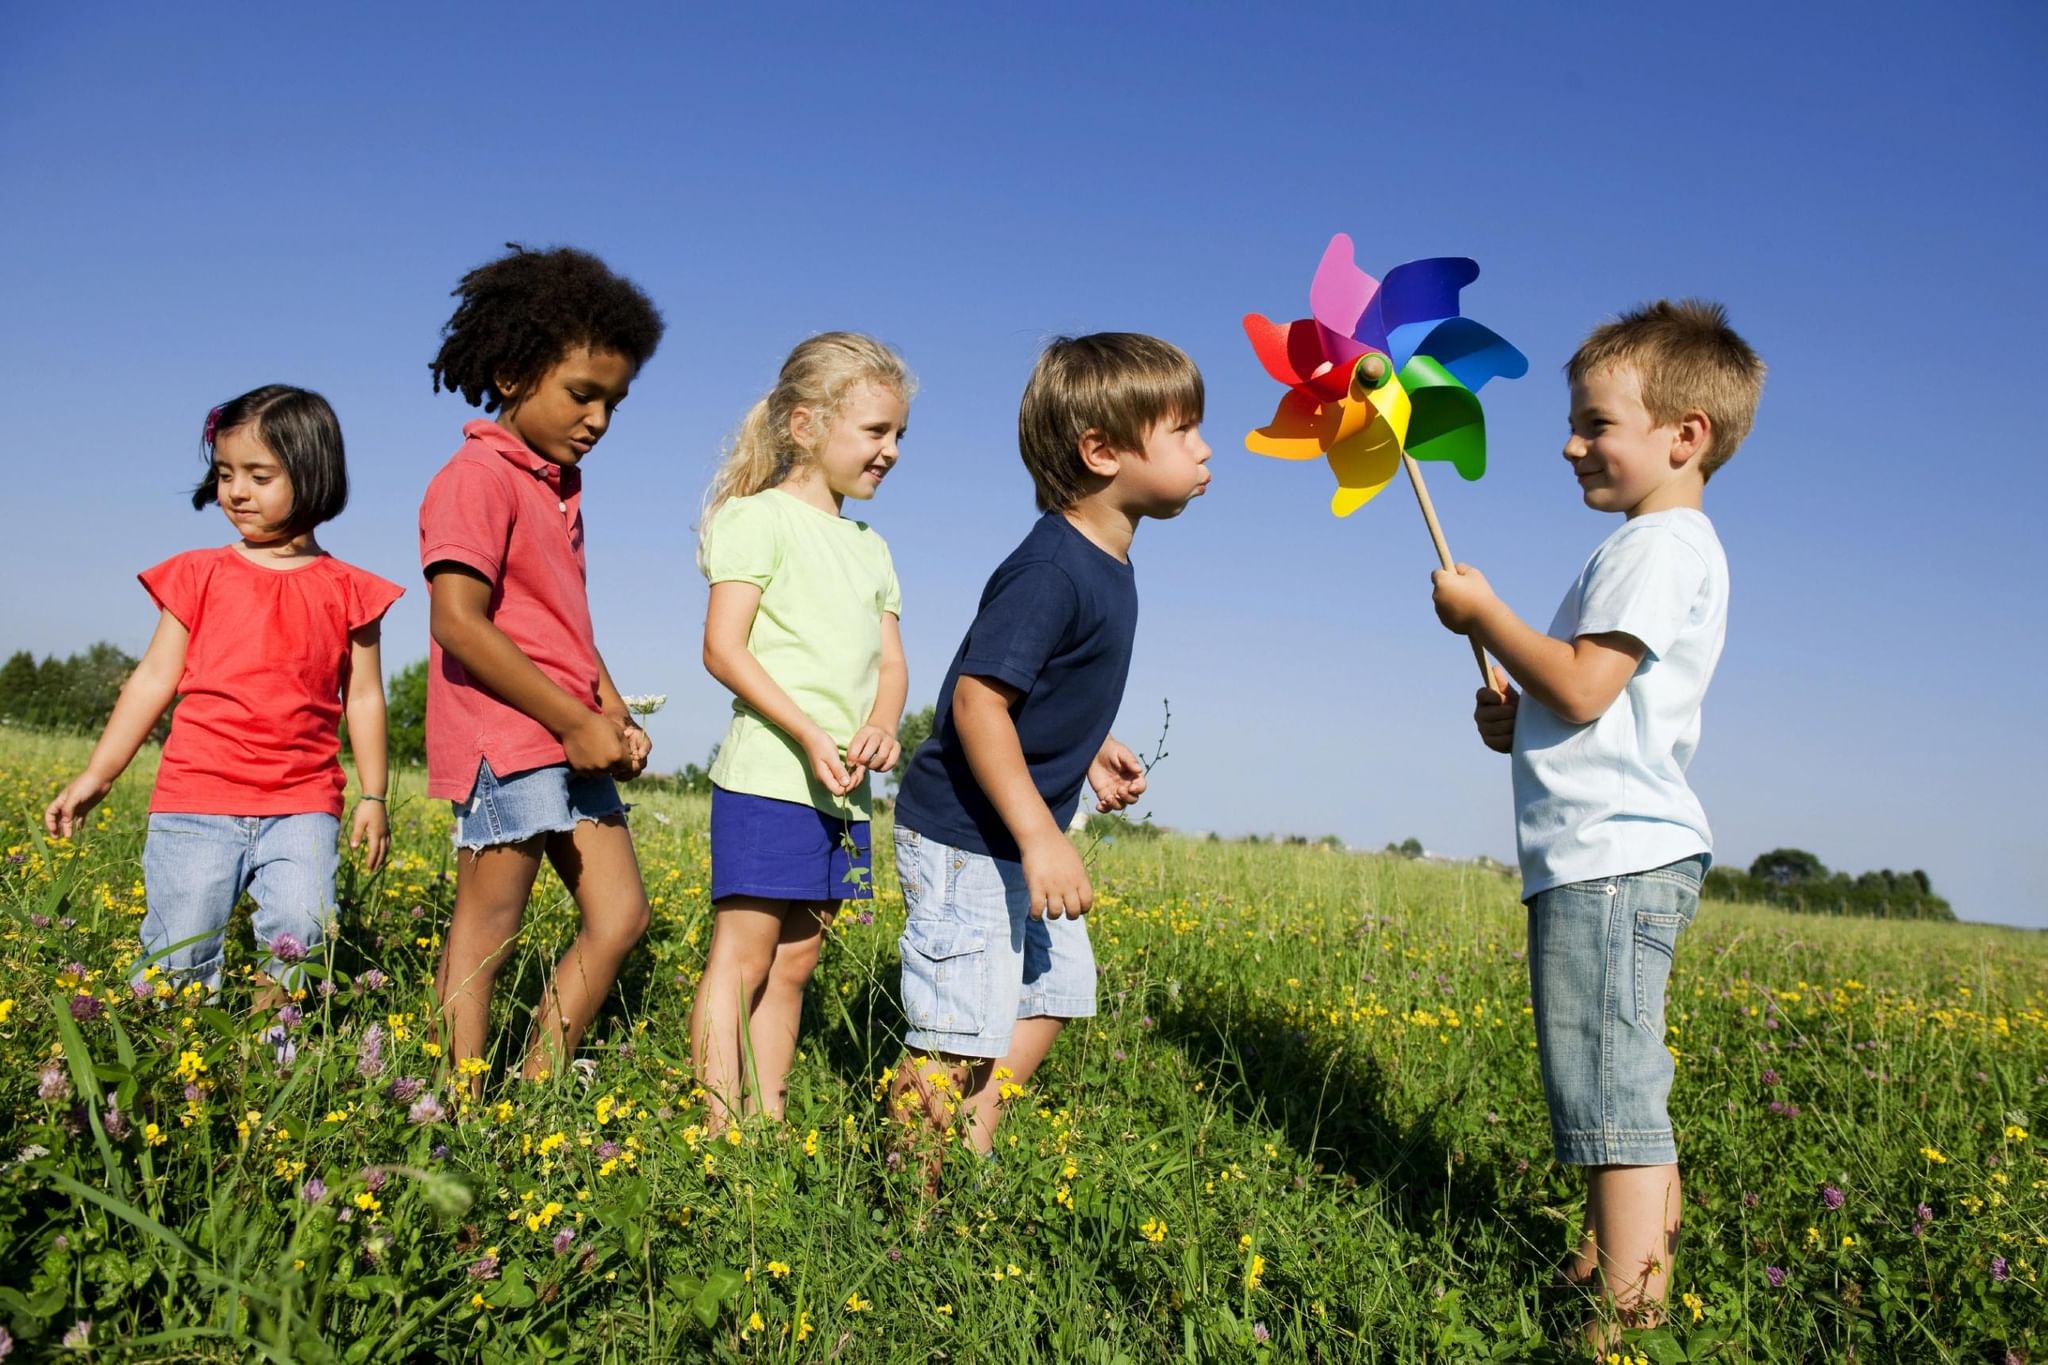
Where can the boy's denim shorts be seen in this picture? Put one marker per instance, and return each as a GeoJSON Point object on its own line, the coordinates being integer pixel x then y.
{"type": "Point", "coordinates": [1599, 960]}
{"type": "Point", "coordinates": [785, 850]}
{"type": "Point", "coordinates": [195, 867]}
{"type": "Point", "coordinates": [550, 800]}
{"type": "Point", "coordinates": [974, 961]}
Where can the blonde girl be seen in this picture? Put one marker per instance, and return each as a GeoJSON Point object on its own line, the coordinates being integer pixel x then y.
{"type": "Point", "coordinates": [803, 628]}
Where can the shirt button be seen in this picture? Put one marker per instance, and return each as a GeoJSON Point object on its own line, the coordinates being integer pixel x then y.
{"type": "Point", "coordinates": [561, 507]}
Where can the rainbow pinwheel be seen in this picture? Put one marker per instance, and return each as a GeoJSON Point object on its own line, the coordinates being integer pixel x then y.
{"type": "Point", "coordinates": [1420, 398]}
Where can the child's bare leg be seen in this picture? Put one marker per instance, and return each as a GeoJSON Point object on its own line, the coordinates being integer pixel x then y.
{"type": "Point", "coordinates": [779, 1010]}
{"type": "Point", "coordinates": [596, 863]}
{"type": "Point", "coordinates": [491, 887]}
{"type": "Point", "coordinates": [1636, 1217]}
{"type": "Point", "coordinates": [983, 1105]}
{"type": "Point", "coordinates": [744, 933]}
{"type": "Point", "coordinates": [967, 1091]}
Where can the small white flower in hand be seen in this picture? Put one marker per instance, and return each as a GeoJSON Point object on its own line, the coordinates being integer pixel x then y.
{"type": "Point", "coordinates": [646, 704]}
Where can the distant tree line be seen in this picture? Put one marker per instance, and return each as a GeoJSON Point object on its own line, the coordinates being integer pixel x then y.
{"type": "Point", "coordinates": [73, 695]}
{"type": "Point", "coordinates": [1797, 880]}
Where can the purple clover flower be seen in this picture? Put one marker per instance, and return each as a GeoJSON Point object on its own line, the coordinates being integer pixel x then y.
{"type": "Point", "coordinates": [85, 1008]}
{"type": "Point", "coordinates": [484, 1268]}
{"type": "Point", "coordinates": [371, 980]}
{"type": "Point", "coordinates": [1770, 1076]}
{"type": "Point", "coordinates": [427, 1109]}
{"type": "Point", "coordinates": [1775, 1275]}
{"type": "Point", "coordinates": [405, 1089]}
{"type": "Point", "coordinates": [1998, 1270]}
{"type": "Point", "coordinates": [314, 1190]}
{"type": "Point", "coordinates": [79, 1338]}
{"type": "Point", "coordinates": [1260, 1333]}
{"type": "Point", "coordinates": [1832, 1197]}
{"type": "Point", "coordinates": [562, 1240]}
{"type": "Point", "coordinates": [287, 948]}
{"type": "Point", "coordinates": [370, 1052]}
{"type": "Point", "coordinates": [52, 1084]}
{"type": "Point", "coordinates": [113, 1120]}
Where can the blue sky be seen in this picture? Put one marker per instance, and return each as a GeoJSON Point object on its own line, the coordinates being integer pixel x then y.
{"type": "Point", "coordinates": [204, 198]}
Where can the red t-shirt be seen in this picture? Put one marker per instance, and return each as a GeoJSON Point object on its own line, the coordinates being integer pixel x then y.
{"type": "Point", "coordinates": [517, 519]}
{"type": "Point", "coordinates": [255, 732]}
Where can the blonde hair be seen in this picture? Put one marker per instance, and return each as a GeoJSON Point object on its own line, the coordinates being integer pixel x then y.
{"type": "Point", "coordinates": [1117, 383]}
{"type": "Point", "coordinates": [817, 376]}
{"type": "Point", "coordinates": [1687, 359]}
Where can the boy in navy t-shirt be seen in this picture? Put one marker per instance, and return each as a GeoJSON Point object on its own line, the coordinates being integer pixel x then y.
{"type": "Point", "coordinates": [1110, 429]}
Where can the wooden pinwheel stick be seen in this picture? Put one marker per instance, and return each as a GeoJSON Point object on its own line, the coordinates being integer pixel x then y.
{"type": "Point", "coordinates": [1372, 369]}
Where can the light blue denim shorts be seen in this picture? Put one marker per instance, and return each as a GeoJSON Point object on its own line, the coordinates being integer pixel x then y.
{"type": "Point", "coordinates": [513, 809]}
{"type": "Point", "coordinates": [974, 961]}
{"type": "Point", "coordinates": [1599, 961]}
{"type": "Point", "coordinates": [194, 869]}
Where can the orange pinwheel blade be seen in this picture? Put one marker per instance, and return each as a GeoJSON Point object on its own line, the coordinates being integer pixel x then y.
{"type": "Point", "coordinates": [1300, 430]}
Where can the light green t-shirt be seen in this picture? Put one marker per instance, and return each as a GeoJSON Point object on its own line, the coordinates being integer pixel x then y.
{"type": "Point", "coordinates": [825, 583]}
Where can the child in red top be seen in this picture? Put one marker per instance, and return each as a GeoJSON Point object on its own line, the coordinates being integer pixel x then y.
{"type": "Point", "coordinates": [267, 641]}
{"type": "Point", "coordinates": [525, 730]}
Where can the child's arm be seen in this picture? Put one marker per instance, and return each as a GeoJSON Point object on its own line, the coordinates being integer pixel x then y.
{"type": "Point", "coordinates": [461, 624]}
{"type": "Point", "coordinates": [1053, 870]}
{"type": "Point", "coordinates": [874, 746]}
{"type": "Point", "coordinates": [1577, 679]}
{"type": "Point", "coordinates": [364, 706]}
{"type": "Point", "coordinates": [727, 623]}
{"type": "Point", "coordinates": [638, 745]}
{"type": "Point", "coordinates": [144, 696]}
{"type": "Point", "coordinates": [1115, 776]}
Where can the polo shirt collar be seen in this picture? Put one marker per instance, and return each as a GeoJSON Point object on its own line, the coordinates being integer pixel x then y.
{"type": "Point", "coordinates": [514, 450]}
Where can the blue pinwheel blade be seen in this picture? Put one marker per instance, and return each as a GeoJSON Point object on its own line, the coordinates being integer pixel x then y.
{"type": "Point", "coordinates": [1471, 351]}
{"type": "Point", "coordinates": [1420, 291]}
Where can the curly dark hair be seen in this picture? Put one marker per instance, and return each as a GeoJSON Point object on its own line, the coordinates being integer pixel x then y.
{"type": "Point", "coordinates": [523, 312]}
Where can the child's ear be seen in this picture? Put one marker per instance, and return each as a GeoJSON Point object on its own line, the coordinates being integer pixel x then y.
{"type": "Point", "coordinates": [803, 426]}
{"type": "Point", "coordinates": [1695, 433]}
{"type": "Point", "coordinates": [1097, 455]}
{"type": "Point", "coordinates": [508, 391]}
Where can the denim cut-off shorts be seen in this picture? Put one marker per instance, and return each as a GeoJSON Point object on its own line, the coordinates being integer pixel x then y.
{"type": "Point", "coordinates": [194, 869]}
{"type": "Point", "coordinates": [550, 800]}
{"type": "Point", "coordinates": [785, 850]}
{"type": "Point", "coordinates": [974, 961]}
{"type": "Point", "coordinates": [1599, 961]}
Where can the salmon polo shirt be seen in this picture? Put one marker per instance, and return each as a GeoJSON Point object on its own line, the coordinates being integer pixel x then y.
{"type": "Point", "coordinates": [517, 519]}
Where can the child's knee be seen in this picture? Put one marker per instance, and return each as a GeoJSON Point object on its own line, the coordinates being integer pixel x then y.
{"type": "Point", "coordinates": [795, 961]}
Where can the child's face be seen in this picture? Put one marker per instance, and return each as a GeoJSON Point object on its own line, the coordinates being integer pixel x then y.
{"type": "Point", "coordinates": [860, 446]}
{"type": "Point", "coordinates": [565, 412]}
{"type": "Point", "coordinates": [1170, 472]}
{"type": "Point", "coordinates": [1624, 461]}
{"type": "Point", "coordinates": [251, 485]}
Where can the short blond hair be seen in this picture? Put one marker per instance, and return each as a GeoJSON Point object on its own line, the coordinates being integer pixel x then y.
{"type": "Point", "coordinates": [1687, 359]}
{"type": "Point", "coordinates": [1120, 384]}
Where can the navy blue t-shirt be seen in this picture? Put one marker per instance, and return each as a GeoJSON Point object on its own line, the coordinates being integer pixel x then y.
{"type": "Point", "coordinates": [1056, 622]}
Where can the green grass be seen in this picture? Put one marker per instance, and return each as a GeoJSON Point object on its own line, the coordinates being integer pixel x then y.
{"type": "Point", "coordinates": [1308, 1061]}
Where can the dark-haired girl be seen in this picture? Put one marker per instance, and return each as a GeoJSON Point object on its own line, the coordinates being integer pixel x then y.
{"type": "Point", "coordinates": [268, 640]}
{"type": "Point", "coordinates": [525, 731]}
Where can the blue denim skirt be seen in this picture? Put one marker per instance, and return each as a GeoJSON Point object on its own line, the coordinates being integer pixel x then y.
{"type": "Point", "coordinates": [516, 807]}
{"type": "Point", "coordinates": [1599, 961]}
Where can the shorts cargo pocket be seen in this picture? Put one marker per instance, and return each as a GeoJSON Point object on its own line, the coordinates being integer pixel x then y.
{"type": "Point", "coordinates": [1656, 941]}
{"type": "Point", "coordinates": [945, 977]}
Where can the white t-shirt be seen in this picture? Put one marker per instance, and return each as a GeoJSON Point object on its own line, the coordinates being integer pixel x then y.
{"type": "Point", "coordinates": [1610, 798]}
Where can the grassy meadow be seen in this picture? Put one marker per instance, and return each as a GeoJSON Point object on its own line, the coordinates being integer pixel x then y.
{"type": "Point", "coordinates": [1306, 1125]}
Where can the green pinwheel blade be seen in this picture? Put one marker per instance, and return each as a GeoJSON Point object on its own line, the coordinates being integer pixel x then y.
{"type": "Point", "coordinates": [1447, 422]}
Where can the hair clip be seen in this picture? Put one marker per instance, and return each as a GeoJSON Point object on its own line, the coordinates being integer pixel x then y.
{"type": "Point", "coordinates": [212, 421]}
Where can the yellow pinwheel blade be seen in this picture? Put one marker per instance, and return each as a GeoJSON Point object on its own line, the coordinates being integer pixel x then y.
{"type": "Point", "coordinates": [1364, 464]}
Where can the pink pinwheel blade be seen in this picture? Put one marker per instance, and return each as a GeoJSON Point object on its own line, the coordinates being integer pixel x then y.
{"type": "Point", "coordinates": [1340, 291]}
